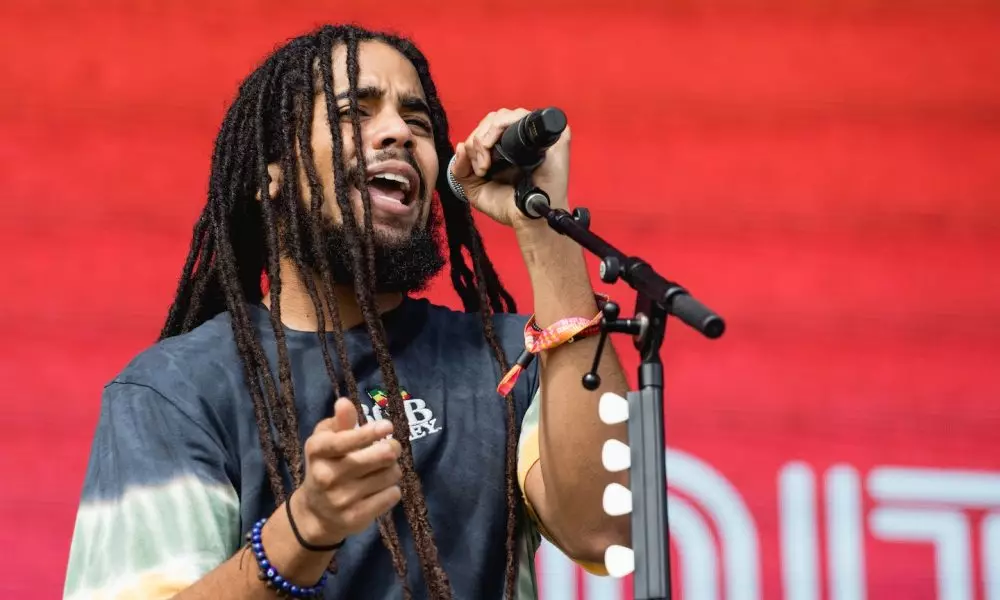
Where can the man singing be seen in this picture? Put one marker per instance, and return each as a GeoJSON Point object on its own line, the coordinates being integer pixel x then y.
{"type": "Point", "coordinates": [298, 394]}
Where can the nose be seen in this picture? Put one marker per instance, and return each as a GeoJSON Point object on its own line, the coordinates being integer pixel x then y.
{"type": "Point", "coordinates": [389, 129]}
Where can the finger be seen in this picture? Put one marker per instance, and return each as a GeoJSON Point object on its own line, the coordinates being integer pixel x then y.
{"type": "Point", "coordinates": [471, 149]}
{"type": "Point", "coordinates": [377, 481]}
{"type": "Point", "coordinates": [345, 492]}
{"type": "Point", "coordinates": [481, 158]}
{"type": "Point", "coordinates": [501, 121]}
{"type": "Point", "coordinates": [483, 126]}
{"type": "Point", "coordinates": [368, 460]}
{"type": "Point", "coordinates": [335, 444]}
{"type": "Point", "coordinates": [490, 128]}
{"type": "Point", "coordinates": [368, 509]}
{"type": "Point", "coordinates": [345, 416]}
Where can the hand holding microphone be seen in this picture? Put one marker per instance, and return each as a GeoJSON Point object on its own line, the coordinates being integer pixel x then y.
{"type": "Point", "coordinates": [484, 164]}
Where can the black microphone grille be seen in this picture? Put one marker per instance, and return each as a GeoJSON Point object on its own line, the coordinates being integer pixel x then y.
{"type": "Point", "coordinates": [543, 127]}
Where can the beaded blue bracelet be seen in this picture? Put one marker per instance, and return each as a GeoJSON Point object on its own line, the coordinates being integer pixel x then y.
{"type": "Point", "coordinates": [270, 576]}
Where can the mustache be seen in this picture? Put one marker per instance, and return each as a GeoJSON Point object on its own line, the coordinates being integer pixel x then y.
{"type": "Point", "coordinates": [358, 177]}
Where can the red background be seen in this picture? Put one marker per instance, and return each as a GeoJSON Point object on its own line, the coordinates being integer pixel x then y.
{"type": "Point", "coordinates": [824, 174]}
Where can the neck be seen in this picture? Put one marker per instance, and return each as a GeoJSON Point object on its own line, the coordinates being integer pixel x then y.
{"type": "Point", "coordinates": [299, 313]}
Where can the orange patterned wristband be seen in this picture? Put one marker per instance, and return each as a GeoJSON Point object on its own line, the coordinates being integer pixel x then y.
{"type": "Point", "coordinates": [563, 331]}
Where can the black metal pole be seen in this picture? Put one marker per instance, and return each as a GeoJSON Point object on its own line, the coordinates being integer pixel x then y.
{"type": "Point", "coordinates": [648, 474]}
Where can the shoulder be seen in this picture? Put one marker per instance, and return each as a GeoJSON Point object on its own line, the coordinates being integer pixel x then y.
{"type": "Point", "coordinates": [198, 364]}
{"type": "Point", "coordinates": [509, 328]}
{"type": "Point", "coordinates": [170, 410]}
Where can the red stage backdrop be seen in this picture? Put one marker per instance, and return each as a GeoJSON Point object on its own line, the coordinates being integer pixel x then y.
{"type": "Point", "coordinates": [822, 173]}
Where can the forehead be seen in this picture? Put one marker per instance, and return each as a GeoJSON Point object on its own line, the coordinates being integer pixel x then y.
{"type": "Point", "coordinates": [380, 66]}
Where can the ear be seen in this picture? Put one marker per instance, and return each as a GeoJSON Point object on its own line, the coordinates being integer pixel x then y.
{"type": "Point", "coordinates": [277, 179]}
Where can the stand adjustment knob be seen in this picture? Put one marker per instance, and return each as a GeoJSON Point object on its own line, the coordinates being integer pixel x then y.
{"type": "Point", "coordinates": [610, 312]}
{"type": "Point", "coordinates": [582, 216]}
{"type": "Point", "coordinates": [610, 269]}
{"type": "Point", "coordinates": [591, 381]}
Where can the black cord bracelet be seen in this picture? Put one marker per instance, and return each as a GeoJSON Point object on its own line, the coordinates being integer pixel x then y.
{"type": "Point", "coordinates": [298, 536]}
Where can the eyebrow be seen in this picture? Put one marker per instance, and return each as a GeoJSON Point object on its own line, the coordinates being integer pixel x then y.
{"type": "Point", "coordinates": [407, 101]}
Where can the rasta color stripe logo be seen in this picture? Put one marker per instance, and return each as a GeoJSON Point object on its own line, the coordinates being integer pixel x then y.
{"type": "Point", "coordinates": [381, 397]}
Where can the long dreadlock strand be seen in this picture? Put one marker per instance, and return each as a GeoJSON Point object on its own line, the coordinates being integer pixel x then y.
{"type": "Point", "coordinates": [387, 528]}
{"type": "Point", "coordinates": [290, 165]}
{"type": "Point", "coordinates": [286, 419]}
{"type": "Point", "coordinates": [185, 287]}
{"type": "Point", "coordinates": [500, 299]}
{"type": "Point", "coordinates": [386, 525]}
{"type": "Point", "coordinates": [290, 111]}
{"type": "Point", "coordinates": [510, 458]}
{"type": "Point", "coordinates": [202, 277]}
{"type": "Point", "coordinates": [462, 278]}
{"type": "Point", "coordinates": [478, 287]}
{"type": "Point", "coordinates": [485, 281]}
{"type": "Point", "coordinates": [241, 282]}
{"type": "Point", "coordinates": [353, 69]}
{"type": "Point", "coordinates": [184, 309]}
{"type": "Point", "coordinates": [245, 348]}
{"type": "Point", "coordinates": [328, 37]}
{"type": "Point", "coordinates": [321, 293]}
{"type": "Point", "coordinates": [207, 298]}
{"type": "Point", "coordinates": [226, 147]}
{"type": "Point", "coordinates": [412, 499]}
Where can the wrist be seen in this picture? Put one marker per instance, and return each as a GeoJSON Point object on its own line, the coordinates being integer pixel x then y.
{"type": "Point", "coordinates": [528, 227]}
{"type": "Point", "coordinates": [546, 251]}
{"type": "Point", "coordinates": [285, 557]}
{"type": "Point", "coordinates": [310, 528]}
{"type": "Point", "coordinates": [536, 236]}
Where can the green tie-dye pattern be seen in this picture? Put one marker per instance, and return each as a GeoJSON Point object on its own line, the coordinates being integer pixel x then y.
{"type": "Point", "coordinates": [185, 526]}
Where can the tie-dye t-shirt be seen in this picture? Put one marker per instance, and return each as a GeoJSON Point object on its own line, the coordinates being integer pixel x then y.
{"type": "Point", "coordinates": [176, 476]}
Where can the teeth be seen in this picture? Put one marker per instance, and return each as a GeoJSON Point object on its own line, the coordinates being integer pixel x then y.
{"type": "Point", "coordinates": [402, 181]}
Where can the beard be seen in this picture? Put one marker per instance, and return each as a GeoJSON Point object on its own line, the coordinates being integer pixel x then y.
{"type": "Point", "coordinates": [403, 264]}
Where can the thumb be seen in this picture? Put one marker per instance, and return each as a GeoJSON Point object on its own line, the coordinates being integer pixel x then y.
{"type": "Point", "coordinates": [345, 415]}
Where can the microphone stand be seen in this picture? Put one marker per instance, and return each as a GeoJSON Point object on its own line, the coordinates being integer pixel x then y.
{"type": "Point", "coordinates": [656, 299]}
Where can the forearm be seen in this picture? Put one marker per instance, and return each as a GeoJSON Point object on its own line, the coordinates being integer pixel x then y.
{"type": "Point", "coordinates": [571, 434]}
{"type": "Point", "coordinates": [237, 577]}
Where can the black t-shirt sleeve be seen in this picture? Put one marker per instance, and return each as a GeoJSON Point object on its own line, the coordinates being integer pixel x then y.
{"type": "Point", "coordinates": [158, 509]}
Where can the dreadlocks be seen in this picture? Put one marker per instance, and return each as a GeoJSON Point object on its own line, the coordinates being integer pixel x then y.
{"type": "Point", "coordinates": [238, 241]}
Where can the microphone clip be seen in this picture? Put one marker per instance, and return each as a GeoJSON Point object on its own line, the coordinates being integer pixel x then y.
{"type": "Point", "coordinates": [529, 198]}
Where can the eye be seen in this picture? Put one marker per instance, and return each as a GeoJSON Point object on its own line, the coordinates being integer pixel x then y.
{"type": "Point", "coordinates": [345, 112]}
{"type": "Point", "coordinates": [421, 123]}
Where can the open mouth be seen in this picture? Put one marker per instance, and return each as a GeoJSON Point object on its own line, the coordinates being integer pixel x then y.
{"type": "Point", "coordinates": [390, 186]}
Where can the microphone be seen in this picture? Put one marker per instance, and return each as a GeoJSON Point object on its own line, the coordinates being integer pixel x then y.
{"type": "Point", "coordinates": [524, 143]}
{"type": "Point", "coordinates": [522, 146]}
